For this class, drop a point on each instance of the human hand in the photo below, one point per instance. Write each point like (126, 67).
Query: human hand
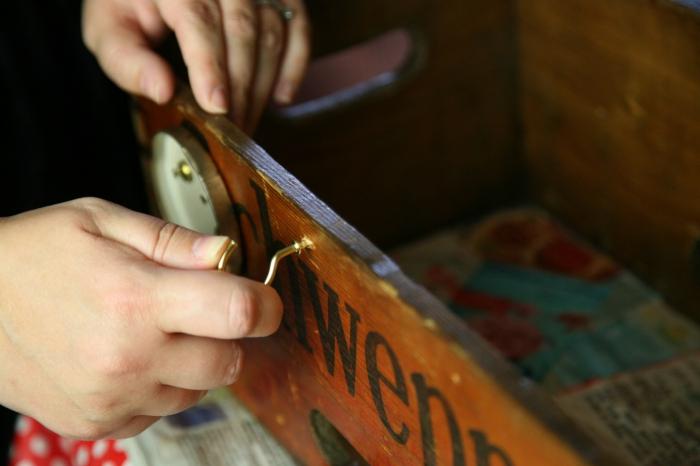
(110, 319)
(237, 54)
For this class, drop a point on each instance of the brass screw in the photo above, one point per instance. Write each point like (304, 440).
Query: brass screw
(184, 170)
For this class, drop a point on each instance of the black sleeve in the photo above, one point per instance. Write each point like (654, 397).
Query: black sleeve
(67, 130)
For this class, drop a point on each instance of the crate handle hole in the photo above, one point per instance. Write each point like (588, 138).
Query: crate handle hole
(353, 74)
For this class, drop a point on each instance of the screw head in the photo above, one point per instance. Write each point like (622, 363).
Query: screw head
(184, 171)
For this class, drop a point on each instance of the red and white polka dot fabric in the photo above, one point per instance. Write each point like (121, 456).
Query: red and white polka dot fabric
(35, 445)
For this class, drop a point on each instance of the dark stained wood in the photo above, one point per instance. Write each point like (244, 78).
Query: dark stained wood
(340, 24)
(287, 376)
(610, 96)
(451, 124)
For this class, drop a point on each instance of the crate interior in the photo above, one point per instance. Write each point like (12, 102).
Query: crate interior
(584, 112)
(508, 103)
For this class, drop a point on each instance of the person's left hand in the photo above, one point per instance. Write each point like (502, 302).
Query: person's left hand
(237, 53)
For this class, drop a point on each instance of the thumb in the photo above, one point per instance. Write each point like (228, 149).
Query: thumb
(162, 242)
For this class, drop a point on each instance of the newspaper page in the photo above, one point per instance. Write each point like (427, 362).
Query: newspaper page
(650, 416)
(218, 431)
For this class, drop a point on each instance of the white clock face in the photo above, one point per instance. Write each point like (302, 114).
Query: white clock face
(189, 190)
(181, 192)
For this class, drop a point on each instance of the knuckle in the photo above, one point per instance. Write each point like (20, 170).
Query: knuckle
(93, 205)
(87, 430)
(81, 213)
(110, 54)
(200, 13)
(166, 234)
(272, 39)
(228, 365)
(100, 409)
(240, 24)
(89, 210)
(234, 368)
(127, 298)
(213, 65)
(113, 364)
(243, 312)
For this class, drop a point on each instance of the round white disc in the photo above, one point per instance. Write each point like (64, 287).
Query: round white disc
(180, 191)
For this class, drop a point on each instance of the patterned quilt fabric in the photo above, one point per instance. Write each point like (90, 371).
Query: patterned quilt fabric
(564, 313)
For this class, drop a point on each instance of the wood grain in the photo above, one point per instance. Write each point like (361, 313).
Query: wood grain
(610, 97)
(403, 379)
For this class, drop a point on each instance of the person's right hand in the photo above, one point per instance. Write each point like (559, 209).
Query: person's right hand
(110, 319)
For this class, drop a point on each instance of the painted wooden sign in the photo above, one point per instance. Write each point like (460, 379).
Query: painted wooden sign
(361, 347)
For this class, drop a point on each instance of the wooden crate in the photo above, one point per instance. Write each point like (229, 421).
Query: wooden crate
(590, 109)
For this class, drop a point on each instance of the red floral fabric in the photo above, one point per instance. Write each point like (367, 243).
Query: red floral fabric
(35, 445)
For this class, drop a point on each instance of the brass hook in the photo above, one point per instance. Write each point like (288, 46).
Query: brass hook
(295, 247)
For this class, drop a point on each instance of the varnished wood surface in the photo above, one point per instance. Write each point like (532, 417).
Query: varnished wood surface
(447, 398)
(610, 97)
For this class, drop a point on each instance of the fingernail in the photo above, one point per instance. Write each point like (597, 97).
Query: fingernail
(283, 93)
(219, 100)
(159, 94)
(208, 249)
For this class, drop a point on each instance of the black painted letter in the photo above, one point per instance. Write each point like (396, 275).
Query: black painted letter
(424, 393)
(484, 450)
(297, 305)
(376, 379)
(333, 332)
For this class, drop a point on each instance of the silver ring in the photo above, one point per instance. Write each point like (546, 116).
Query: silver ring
(285, 12)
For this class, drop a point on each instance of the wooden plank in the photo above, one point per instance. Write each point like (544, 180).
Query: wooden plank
(610, 95)
(403, 379)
